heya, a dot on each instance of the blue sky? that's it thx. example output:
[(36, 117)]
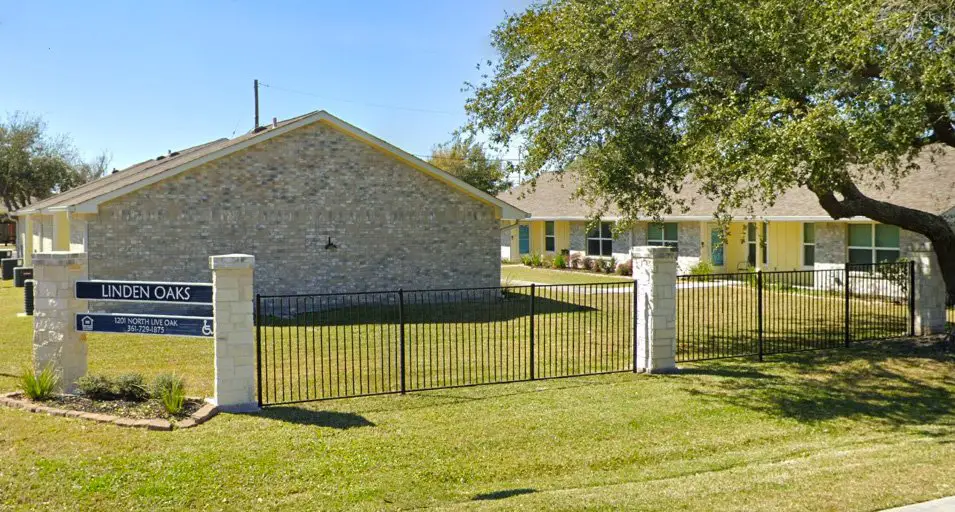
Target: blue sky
[(137, 79)]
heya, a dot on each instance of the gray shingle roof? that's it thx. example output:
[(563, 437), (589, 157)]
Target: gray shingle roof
[(930, 188)]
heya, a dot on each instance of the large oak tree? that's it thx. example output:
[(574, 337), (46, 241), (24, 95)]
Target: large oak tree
[(745, 98)]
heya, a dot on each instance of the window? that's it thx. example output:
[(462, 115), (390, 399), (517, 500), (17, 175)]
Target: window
[(550, 238), (873, 243), (600, 240), (751, 243), (663, 234), (808, 244)]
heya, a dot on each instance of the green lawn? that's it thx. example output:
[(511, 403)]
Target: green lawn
[(858, 429), (515, 272)]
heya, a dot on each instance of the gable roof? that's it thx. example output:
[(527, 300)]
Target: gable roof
[(86, 198), (930, 188)]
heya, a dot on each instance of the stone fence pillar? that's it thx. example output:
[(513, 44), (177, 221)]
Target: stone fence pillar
[(56, 343), (929, 291), (234, 328), (654, 270)]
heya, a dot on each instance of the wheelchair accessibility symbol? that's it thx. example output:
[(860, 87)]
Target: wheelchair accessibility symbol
[(206, 328)]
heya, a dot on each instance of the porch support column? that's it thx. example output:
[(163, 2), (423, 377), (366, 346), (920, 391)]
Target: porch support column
[(234, 327)]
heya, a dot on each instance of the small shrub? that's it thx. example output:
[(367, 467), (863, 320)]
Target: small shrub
[(560, 261), (96, 387), (171, 392), (703, 268), (39, 387), (132, 387), (608, 266), (537, 260), (587, 263), (526, 259), (625, 268), (575, 261)]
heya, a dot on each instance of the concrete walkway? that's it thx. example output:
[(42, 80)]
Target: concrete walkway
[(942, 505)]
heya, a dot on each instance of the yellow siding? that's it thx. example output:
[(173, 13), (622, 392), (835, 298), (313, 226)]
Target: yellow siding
[(61, 231), (562, 230), (537, 237), (785, 245), (735, 252)]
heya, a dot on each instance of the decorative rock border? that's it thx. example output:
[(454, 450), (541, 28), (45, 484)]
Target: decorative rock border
[(204, 414)]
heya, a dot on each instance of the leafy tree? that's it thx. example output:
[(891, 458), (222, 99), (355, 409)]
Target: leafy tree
[(744, 98), (468, 160), (34, 165)]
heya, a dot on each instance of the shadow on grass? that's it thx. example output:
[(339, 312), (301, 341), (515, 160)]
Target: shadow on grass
[(896, 384), (302, 416), (500, 495)]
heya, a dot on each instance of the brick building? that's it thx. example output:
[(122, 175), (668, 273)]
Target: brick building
[(323, 206)]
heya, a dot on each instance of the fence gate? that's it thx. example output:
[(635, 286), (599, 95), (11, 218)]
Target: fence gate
[(335, 345)]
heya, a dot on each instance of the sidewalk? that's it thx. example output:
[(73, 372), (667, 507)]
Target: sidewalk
[(941, 505)]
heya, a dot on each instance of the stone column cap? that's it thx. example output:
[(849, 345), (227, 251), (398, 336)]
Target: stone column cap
[(653, 252), (62, 258), (231, 261)]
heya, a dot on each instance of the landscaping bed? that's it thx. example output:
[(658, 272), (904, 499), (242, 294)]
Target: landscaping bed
[(149, 414)]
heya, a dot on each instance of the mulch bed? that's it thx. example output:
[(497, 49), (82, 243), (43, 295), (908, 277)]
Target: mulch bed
[(146, 409), (148, 414)]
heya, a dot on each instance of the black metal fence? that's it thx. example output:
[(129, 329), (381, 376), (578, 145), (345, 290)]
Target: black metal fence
[(313, 347), (762, 313)]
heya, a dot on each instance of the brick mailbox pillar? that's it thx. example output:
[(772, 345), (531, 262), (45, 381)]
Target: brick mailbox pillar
[(654, 270), (55, 341), (929, 291), (234, 327)]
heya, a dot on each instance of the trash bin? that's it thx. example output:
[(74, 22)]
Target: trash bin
[(6, 268), (28, 297), (21, 274)]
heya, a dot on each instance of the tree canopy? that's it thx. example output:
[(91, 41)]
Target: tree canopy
[(745, 98), (34, 165), (468, 160)]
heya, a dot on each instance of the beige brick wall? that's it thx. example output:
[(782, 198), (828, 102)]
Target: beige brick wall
[(280, 200)]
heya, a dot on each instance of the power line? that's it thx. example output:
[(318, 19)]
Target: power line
[(342, 100)]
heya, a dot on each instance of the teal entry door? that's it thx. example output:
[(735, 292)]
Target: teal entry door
[(524, 239), (716, 248)]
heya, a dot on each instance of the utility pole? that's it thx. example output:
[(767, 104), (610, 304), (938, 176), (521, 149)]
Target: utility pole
[(255, 87)]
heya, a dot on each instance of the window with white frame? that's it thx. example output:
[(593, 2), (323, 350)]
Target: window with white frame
[(752, 240), (550, 236), (873, 243), (663, 234), (600, 240), (808, 244)]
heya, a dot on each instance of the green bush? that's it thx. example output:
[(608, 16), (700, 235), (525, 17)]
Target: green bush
[(132, 387), (39, 387), (560, 261), (625, 268), (96, 387), (526, 259), (703, 268), (171, 392), (537, 260)]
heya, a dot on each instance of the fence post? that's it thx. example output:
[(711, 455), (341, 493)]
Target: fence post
[(911, 287), (929, 298), (401, 337), (233, 326), (654, 271), (759, 312), (633, 319), (848, 294), (258, 345), (56, 342), (532, 362)]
